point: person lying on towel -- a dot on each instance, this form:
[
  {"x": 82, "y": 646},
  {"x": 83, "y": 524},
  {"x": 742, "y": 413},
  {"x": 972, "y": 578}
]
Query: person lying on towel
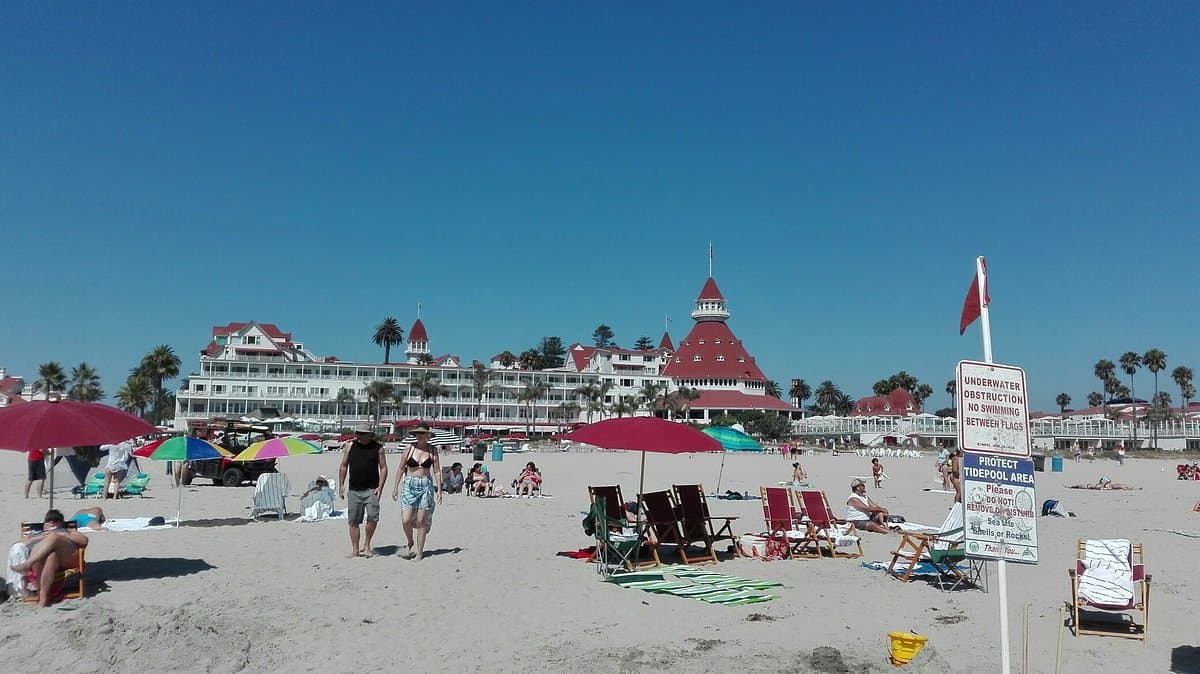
[{"x": 1104, "y": 484}]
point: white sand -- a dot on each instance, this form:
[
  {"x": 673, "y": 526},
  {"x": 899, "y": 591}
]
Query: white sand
[{"x": 493, "y": 596}]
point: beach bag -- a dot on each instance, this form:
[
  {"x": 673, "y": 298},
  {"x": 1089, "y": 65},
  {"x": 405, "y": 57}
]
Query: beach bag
[
  {"x": 1052, "y": 508},
  {"x": 751, "y": 545}
]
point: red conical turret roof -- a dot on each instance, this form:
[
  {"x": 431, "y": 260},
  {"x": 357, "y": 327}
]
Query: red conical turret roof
[
  {"x": 417, "y": 333},
  {"x": 710, "y": 291},
  {"x": 666, "y": 342}
]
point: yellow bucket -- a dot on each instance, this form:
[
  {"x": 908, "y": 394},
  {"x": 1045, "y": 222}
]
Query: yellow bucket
[{"x": 904, "y": 646}]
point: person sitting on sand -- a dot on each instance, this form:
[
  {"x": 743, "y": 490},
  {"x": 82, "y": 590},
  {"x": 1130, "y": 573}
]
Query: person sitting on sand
[
  {"x": 863, "y": 512},
  {"x": 480, "y": 480},
  {"x": 54, "y": 549},
  {"x": 454, "y": 479},
  {"x": 528, "y": 480},
  {"x": 799, "y": 477}
]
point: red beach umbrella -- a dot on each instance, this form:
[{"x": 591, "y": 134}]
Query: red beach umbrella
[{"x": 43, "y": 424}]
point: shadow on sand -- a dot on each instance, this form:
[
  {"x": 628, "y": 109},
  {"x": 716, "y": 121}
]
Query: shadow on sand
[
  {"x": 388, "y": 550},
  {"x": 100, "y": 573},
  {"x": 1185, "y": 660}
]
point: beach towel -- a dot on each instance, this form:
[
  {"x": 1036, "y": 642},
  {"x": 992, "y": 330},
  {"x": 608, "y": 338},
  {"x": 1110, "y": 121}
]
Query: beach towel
[
  {"x": 921, "y": 568},
  {"x": 14, "y": 581},
  {"x": 131, "y": 524},
  {"x": 1107, "y": 577},
  {"x": 320, "y": 511},
  {"x": 270, "y": 490},
  {"x": 582, "y": 553}
]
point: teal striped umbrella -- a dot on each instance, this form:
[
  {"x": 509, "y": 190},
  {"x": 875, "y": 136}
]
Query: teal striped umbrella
[{"x": 732, "y": 439}]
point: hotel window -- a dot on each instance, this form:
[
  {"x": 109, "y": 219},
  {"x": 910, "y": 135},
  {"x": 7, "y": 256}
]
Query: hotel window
[
  {"x": 252, "y": 390},
  {"x": 626, "y": 382},
  {"x": 702, "y": 341},
  {"x": 198, "y": 387},
  {"x": 696, "y": 358},
  {"x": 716, "y": 341},
  {"x": 218, "y": 388},
  {"x": 721, "y": 359},
  {"x": 741, "y": 359}
]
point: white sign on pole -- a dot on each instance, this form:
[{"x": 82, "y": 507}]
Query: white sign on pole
[
  {"x": 993, "y": 412},
  {"x": 1001, "y": 515}
]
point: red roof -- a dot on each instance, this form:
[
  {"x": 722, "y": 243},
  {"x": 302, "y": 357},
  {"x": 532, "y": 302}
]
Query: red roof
[
  {"x": 710, "y": 291},
  {"x": 581, "y": 355},
  {"x": 711, "y": 351},
  {"x": 895, "y": 404},
  {"x": 666, "y": 342},
  {"x": 269, "y": 329},
  {"x": 417, "y": 333},
  {"x": 11, "y": 384},
  {"x": 736, "y": 400}
]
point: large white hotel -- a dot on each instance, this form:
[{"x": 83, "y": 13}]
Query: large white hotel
[{"x": 257, "y": 370}]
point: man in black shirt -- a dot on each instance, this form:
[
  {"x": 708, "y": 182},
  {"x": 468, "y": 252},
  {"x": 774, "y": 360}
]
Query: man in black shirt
[{"x": 363, "y": 461}]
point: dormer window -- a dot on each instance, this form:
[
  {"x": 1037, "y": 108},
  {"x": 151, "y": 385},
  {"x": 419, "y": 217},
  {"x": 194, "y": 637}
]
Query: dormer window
[
  {"x": 716, "y": 341},
  {"x": 741, "y": 359},
  {"x": 720, "y": 359},
  {"x": 696, "y": 358},
  {"x": 702, "y": 341}
]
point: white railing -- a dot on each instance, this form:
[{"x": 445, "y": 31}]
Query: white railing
[{"x": 948, "y": 426}]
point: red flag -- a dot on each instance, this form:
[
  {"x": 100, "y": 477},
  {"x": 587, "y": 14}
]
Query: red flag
[{"x": 971, "y": 307}]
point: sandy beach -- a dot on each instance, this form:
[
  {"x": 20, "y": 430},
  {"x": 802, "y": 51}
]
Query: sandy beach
[{"x": 221, "y": 594}]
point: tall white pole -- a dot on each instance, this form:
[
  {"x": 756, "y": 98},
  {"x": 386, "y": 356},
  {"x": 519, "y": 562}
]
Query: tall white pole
[{"x": 1001, "y": 566}]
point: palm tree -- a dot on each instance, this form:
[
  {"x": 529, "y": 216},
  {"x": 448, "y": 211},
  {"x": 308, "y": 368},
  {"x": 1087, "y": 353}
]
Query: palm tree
[
  {"x": 589, "y": 393},
  {"x": 377, "y": 392},
  {"x": 923, "y": 393},
  {"x": 533, "y": 392},
  {"x": 827, "y": 396},
  {"x": 344, "y": 397},
  {"x": 1130, "y": 362},
  {"x": 135, "y": 395},
  {"x": 51, "y": 379},
  {"x": 844, "y": 404},
  {"x": 685, "y": 397},
  {"x": 1183, "y": 379},
  {"x": 1095, "y": 399},
  {"x": 388, "y": 334},
  {"x": 434, "y": 390},
  {"x": 1155, "y": 360},
  {"x": 1104, "y": 371},
  {"x": 624, "y": 405},
  {"x": 420, "y": 385},
  {"x": 85, "y": 384},
  {"x": 773, "y": 390},
  {"x": 568, "y": 410},
  {"x": 481, "y": 380},
  {"x": 530, "y": 359},
  {"x": 160, "y": 365},
  {"x": 800, "y": 392},
  {"x": 951, "y": 390},
  {"x": 1062, "y": 400},
  {"x": 650, "y": 395},
  {"x": 506, "y": 359}
]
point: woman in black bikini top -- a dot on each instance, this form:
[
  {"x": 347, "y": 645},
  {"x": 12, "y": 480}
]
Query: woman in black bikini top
[{"x": 420, "y": 491}]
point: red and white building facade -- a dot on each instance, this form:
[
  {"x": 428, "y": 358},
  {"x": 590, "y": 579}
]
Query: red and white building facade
[{"x": 248, "y": 368}]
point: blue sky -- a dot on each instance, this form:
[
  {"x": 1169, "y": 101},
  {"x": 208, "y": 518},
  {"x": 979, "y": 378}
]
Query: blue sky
[{"x": 537, "y": 169}]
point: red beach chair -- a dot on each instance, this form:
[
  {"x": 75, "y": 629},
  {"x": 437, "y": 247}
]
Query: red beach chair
[
  {"x": 827, "y": 527},
  {"x": 1125, "y": 625},
  {"x": 787, "y": 534}
]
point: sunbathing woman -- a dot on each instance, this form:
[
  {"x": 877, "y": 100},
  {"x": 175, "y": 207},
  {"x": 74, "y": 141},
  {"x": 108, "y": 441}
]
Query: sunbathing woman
[
  {"x": 480, "y": 482},
  {"x": 1105, "y": 484},
  {"x": 528, "y": 480}
]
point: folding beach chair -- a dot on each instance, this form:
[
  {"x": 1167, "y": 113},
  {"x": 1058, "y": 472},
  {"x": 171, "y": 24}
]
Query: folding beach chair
[
  {"x": 615, "y": 543},
  {"x": 270, "y": 493},
  {"x": 664, "y": 528},
  {"x": 828, "y": 530},
  {"x": 695, "y": 519},
  {"x": 787, "y": 534},
  {"x": 92, "y": 487},
  {"x": 71, "y": 579},
  {"x": 1109, "y": 582},
  {"x": 943, "y": 550}
]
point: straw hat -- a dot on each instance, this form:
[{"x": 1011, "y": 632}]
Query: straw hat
[
  {"x": 421, "y": 428},
  {"x": 364, "y": 428},
  {"x": 857, "y": 483}
]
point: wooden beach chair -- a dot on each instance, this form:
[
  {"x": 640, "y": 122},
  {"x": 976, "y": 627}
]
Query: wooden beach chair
[
  {"x": 828, "y": 529},
  {"x": 943, "y": 550},
  {"x": 664, "y": 528},
  {"x": 72, "y": 580},
  {"x": 1104, "y": 571},
  {"x": 788, "y": 535},
  {"x": 695, "y": 519}
]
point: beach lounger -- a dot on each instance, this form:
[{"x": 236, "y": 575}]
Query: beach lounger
[
  {"x": 695, "y": 519},
  {"x": 93, "y": 486},
  {"x": 270, "y": 494},
  {"x": 1108, "y": 584},
  {"x": 664, "y": 528},
  {"x": 828, "y": 530},
  {"x": 136, "y": 485},
  {"x": 70, "y": 582},
  {"x": 788, "y": 536}
]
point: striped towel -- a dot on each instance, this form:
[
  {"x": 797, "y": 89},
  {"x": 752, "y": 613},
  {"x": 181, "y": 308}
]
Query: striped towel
[
  {"x": 1107, "y": 576},
  {"x": 269, "y": 492}
]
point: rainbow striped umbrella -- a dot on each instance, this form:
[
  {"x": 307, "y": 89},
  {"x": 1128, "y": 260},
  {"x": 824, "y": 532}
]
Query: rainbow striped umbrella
[
  {"x": 181, "y": 448},
  {"x": 276, "y": 448}
]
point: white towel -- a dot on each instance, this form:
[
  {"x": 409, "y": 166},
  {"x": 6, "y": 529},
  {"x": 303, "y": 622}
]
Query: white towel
[
  {"x": 269, "y": 492},
  {"x": 17, "y": 554},
  {"x": 1107, "y": 576},
  {"x": 131, "y": 524}
]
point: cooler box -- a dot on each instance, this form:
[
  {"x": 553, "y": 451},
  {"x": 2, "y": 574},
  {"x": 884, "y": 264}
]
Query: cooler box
[
  {"x": 1056, "y": 464},
  {"x": 1039, "y": 462},
  {"x": 497, "y": 452}
]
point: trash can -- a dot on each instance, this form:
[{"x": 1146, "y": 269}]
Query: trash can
[
  {"x": 1056, "y": 464},
  {"x": 497, "y": 451},
  {"x": 1039, "y": 462},
  {"x": 480, "y": 451}
]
